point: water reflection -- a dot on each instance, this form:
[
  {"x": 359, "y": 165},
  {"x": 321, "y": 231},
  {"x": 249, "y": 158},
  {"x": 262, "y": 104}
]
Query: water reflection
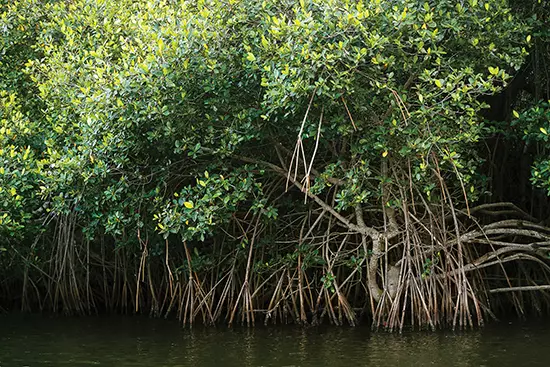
[{"x": 35, "y": 341}]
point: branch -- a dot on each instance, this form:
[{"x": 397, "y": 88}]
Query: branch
[
  {"x": 333, "y": 180},
  {"x": 489, "y": 209},
  {"x": 369, "y": 231},
  {"x": 521, "y": 289},
  {"x": 490, "y": 230}
]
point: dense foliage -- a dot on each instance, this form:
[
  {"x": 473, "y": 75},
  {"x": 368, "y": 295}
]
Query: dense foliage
[{"x": 224, "y": 158}]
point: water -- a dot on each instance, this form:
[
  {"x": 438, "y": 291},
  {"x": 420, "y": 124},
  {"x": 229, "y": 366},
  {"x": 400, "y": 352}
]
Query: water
[{"x": 134, "y": 341}]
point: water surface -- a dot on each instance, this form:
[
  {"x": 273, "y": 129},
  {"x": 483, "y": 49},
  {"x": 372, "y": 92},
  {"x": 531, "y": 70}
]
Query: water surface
[{"x": 36, "y": 341}]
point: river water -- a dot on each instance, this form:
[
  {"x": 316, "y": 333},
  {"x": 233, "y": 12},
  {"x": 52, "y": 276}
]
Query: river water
[{"x": 36, "y": 341}]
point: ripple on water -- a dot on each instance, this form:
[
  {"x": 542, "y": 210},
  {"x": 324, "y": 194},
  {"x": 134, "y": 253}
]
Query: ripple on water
[{"x": 135, "y": 341}]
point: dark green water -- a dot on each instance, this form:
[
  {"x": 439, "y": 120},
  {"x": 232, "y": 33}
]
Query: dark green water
[{"x": 133, "y": 341}]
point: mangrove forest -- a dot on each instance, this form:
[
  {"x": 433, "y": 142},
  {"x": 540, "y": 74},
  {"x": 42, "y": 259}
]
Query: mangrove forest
[{"x": 241, "y": 162}]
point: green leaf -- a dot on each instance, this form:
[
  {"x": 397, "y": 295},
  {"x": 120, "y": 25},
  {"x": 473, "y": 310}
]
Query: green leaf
[
  {"x": 493, "y": 71},
  {"x": 26, "y": 154},
  {"x": 160, "y": 44}
]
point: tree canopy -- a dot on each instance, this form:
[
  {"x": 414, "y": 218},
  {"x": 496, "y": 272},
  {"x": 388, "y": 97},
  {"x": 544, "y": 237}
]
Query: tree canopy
[{"x": 305, "y": 160}]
